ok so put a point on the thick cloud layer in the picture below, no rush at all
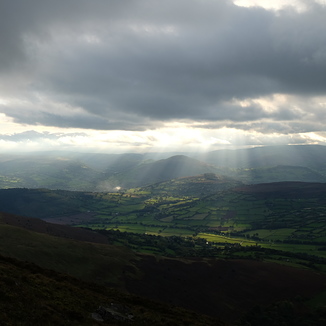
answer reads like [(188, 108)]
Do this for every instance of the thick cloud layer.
[(138, 64)]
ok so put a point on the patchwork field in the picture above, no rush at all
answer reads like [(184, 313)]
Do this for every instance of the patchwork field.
[(274, 227), (287, 216)]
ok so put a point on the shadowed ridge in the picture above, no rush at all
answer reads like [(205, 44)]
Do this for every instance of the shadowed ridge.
[(62, 231), (68, 252), (287, 189), (31, 295)]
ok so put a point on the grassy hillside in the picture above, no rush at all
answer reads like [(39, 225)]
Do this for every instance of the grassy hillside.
[(195, 186)]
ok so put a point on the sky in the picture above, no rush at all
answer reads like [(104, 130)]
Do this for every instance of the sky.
[(153, 75)]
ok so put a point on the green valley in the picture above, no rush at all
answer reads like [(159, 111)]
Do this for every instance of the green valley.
[(165, 228), (285, 216)]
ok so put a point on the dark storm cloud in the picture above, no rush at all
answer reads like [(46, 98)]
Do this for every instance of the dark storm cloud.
[(135, 64)]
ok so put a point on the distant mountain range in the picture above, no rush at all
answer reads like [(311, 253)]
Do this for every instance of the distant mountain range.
[(312, 156), (110, 172), (277, 174)]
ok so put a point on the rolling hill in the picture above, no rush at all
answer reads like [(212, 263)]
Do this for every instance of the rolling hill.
[(46, 172), (196, 186), (278, 173), (157, 171), (106, 172)]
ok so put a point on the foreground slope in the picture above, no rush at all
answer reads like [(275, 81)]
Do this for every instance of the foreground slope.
[(65, 250), (222, 288), (31, 295), (57, 230)]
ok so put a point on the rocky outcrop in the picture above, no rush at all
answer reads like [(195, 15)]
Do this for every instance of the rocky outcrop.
[(114, 312)]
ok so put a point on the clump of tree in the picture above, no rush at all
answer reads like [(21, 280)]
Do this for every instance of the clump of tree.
[(173, 246)]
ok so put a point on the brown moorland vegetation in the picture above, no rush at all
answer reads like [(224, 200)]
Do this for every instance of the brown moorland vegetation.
[(32, 296), (223, 288), (57, 230)]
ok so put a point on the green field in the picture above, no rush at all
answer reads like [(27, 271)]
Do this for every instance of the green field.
[(291, 218)]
